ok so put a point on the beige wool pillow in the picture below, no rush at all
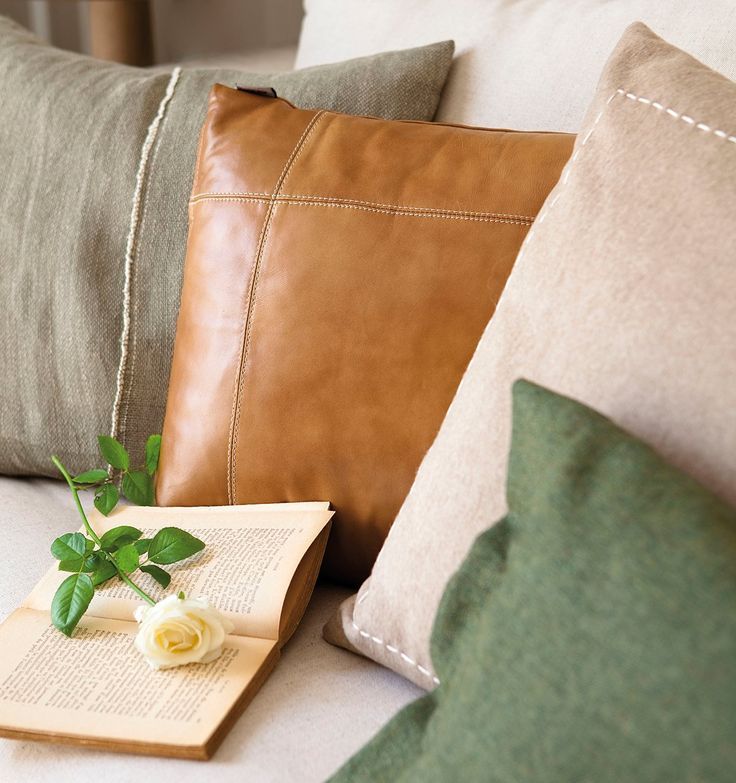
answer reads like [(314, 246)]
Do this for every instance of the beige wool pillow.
[(623, 297)]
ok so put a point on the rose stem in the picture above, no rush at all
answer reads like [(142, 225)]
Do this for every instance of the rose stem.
[(75, 494)]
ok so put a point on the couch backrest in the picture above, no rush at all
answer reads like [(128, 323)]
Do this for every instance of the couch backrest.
[(524, 64)]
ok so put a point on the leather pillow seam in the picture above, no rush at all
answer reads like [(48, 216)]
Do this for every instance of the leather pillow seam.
[(347, 202), (252, 298)]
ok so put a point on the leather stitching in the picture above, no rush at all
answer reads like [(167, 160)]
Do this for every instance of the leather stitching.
[(204, 196), (368, 206), (246, 333), (401, 211)]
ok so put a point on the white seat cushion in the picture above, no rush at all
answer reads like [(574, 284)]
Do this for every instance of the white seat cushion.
[(526, 64), (319, 706)]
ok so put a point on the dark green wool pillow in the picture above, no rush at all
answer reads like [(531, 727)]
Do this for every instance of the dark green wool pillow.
[(96, 161), (590, 635)]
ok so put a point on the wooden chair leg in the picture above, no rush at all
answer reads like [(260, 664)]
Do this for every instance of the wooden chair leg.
[(120, 30)]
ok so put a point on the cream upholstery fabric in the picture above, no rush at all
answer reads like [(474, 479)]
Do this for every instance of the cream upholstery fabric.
[(277, 59), (622, 297), (523, 64), (319, 706)]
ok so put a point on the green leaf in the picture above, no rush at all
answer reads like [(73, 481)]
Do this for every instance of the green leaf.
[(70, 546), (87, 564), (127, 558), (95, 558), (91, 476), (142, 545), (89, 545), (153, 450), (114, 452), (72, 565), (71, 602), (106, 498), (119, 536), (138, 487), (104, 571), (161, 576), (171, 544)]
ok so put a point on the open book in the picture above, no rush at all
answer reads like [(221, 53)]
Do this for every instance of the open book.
[(259, 568)]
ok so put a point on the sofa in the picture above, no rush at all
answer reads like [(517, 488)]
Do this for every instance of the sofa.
[(323, 703)]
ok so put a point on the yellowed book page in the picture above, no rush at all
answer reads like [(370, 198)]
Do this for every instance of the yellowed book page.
[(97, 685), (250, 556)]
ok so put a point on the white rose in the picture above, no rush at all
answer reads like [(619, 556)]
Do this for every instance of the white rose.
[(177, 630)]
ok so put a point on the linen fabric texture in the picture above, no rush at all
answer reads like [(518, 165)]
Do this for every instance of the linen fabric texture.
[(530, 65), (622, 297), (72, 136), (589, 634), (353, 264)]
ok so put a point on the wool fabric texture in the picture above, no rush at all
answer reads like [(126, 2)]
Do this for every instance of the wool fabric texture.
[(589, 636)]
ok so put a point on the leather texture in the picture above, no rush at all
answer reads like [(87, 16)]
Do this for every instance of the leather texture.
[(340, 271)]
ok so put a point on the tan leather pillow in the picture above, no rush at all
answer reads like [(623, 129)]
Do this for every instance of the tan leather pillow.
[(340, 271)]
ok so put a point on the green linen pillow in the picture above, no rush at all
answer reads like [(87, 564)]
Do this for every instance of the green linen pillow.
[(97, 162), (591, 634)]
